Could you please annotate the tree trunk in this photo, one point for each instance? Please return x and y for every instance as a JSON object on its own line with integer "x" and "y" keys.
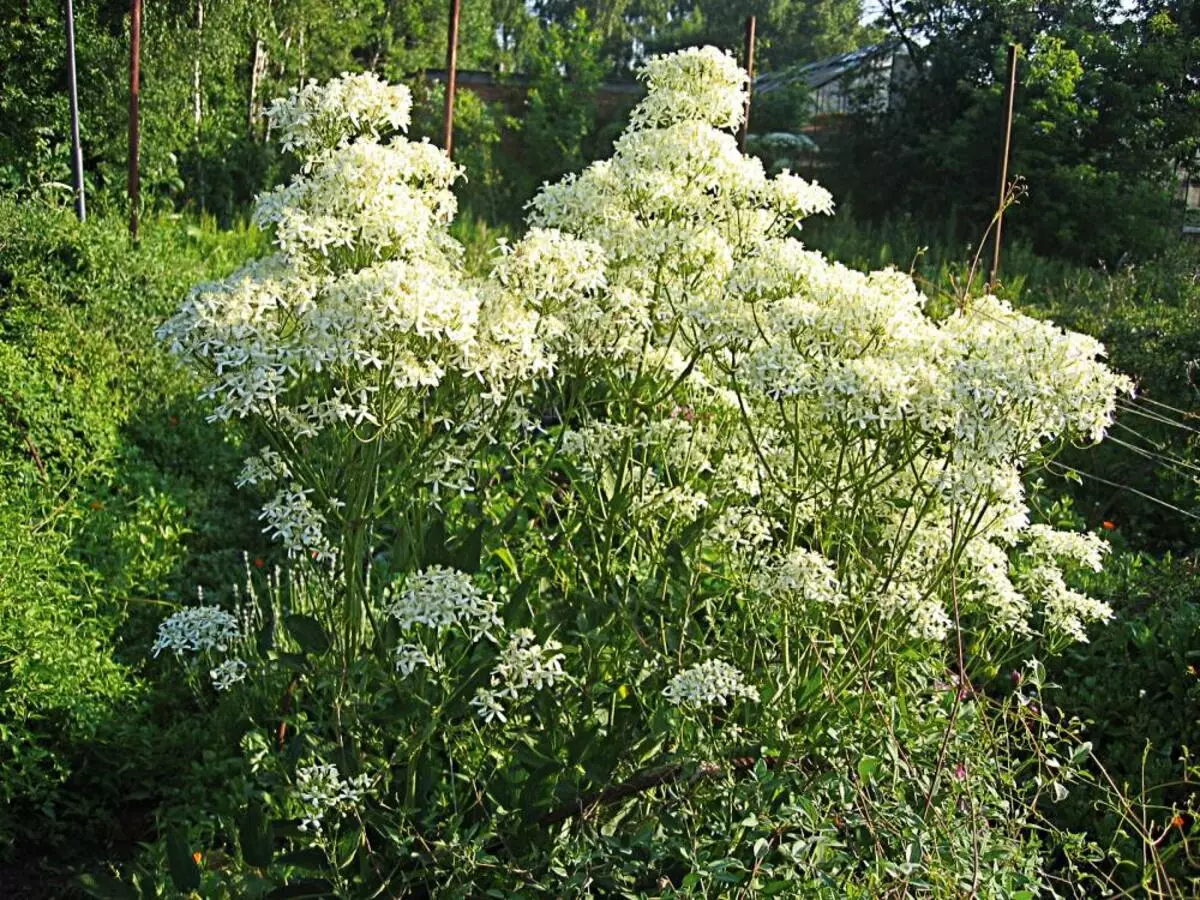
{"x": 135, "y": 135}
{"x": 197, "y": 100}
{"x": 258, "y": 66}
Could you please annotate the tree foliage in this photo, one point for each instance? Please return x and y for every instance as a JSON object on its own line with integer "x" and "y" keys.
{"x": 1107, "y": 106}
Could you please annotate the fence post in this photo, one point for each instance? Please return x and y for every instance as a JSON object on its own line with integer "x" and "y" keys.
{"x": 73, "y": 90}
{"x": 451, "y": 71}
{"x": 748, "y": 59}
{"x": 1008, "y": 119}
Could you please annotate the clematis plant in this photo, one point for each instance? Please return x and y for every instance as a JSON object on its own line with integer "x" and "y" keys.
{"x": 663, "y": 453}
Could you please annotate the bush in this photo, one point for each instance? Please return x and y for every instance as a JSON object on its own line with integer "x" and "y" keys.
{"x": 668, "y": 558}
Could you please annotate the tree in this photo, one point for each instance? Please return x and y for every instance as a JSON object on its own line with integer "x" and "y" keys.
{"x": 1106, "y": 106}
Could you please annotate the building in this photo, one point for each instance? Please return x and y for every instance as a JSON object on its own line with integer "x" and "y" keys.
{"x": 869, "y": 78}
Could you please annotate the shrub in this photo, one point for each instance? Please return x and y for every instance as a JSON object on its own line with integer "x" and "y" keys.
{"x": 669, "y": 558}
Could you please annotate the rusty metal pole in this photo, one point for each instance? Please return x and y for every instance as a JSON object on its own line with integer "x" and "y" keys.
{"x": 73, "y": 90}
{"x": 451, "y": 72}
{"x": 135, "y": 133}
{"x": 748, "y": 59}
{"x": 1003, "y": 192}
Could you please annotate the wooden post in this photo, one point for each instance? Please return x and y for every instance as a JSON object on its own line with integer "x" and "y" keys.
{"x": 451, "y": 72}
{"x": 748, "y": 59}
{"x": 135, "y": 135}
{"x": 73, "y": 90}
{"x": 1008, "y": 119}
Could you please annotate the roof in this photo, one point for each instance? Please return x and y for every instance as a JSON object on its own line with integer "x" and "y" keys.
{"x": 825, "y": 71}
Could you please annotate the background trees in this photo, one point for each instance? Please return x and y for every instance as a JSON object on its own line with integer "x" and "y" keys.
{"x": 1108, "y": 105}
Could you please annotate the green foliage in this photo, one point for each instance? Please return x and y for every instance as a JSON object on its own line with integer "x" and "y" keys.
{"x": 1103, "y": 113}
{"x": 1137, "y": 684}
{"x": 566, "y": 65}
{"x": 106, "y": 501}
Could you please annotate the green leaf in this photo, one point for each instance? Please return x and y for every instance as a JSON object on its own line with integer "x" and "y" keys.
{"x": 265, "y": 639}
{"x": 435, "y": 552}
{"x": 867, "y": 767}
{"x": 309, "y": 633}
{"x": 510, "y": 563}
{"x": 185, "y": 874}
{"x": 257, "y": 836}
{"x": 295, "y": 662}
{"x": 105, "y": 887}
{"x": 147, "y": 885}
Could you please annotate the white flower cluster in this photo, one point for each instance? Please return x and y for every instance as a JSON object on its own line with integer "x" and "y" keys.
{"x": 225, "y": 675}
{"x": 802, "y": 575}
{"x": 524, "y": 665}
{"x": 696, "y": 84}
{"x": 363, "y": 309}
{"x": 441, "y": 598}
{"x": 197, "y": 629}
{"x": 710, "y": 683}
{"x": 321, "y": 116}
{"x": 264, "y": 467}
{"x": 292, "y": 519}
{"x": 409, "y": 657}
{"x": 869, "y": 417}
{"x": 1048, "y": 544}
{"x": 322, "y": 790}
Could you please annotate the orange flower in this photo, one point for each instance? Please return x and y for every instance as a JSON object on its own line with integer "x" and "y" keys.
{"x": 1109, "y": 526}
{"x": 1178, "y": 822}
{"x": 259, "y": 562}
{"x": 197, "y": 856}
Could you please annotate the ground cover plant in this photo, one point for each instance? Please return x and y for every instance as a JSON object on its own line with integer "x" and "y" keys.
{"x": 666, "y": 559}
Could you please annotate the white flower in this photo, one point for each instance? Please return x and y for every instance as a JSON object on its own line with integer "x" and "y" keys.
{"x": 321, "y": 790}
{"x": 320, "y": 116}
{"x": 228, "y": 673}
{"x": 1046, "y": 543}
{"x": 487, "y": 704}
{"x": 264, "y": 467}
{"x": 710, "y": 683}
{"x": 701, "y": 84}
{"x": 197, "y": 629}
{"x": 524, "y": 666}
{"x": 293, "y": 520}
{"x": 1067, "y": 611}
{"x": 442, "y": 598}
{"x": 802, "y": 574}
{"x": 408, "y": 657}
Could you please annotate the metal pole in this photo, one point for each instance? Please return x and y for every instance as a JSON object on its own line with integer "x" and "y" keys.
{"x": 451, "y": 72}
{"x": 1008, "y": 119}
{"x": 135, "y": 59}
{"x": 76, "y": 146}
{"x": 748, "y": 58}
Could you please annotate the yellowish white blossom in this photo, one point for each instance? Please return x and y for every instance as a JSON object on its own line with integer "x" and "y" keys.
{"x": 710, "y": 683}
